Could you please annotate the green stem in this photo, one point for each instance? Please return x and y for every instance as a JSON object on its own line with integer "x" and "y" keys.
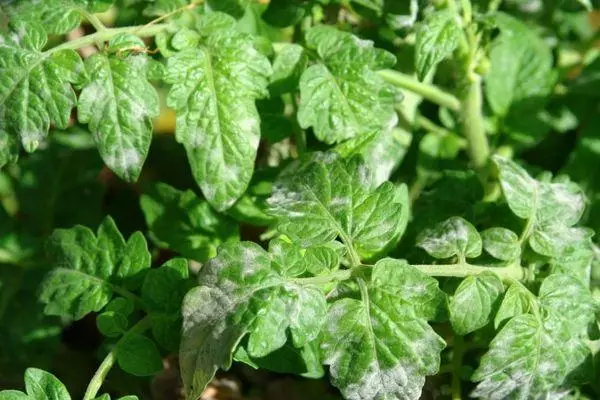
{"x": 429, "y": 92}
{"x": 472, "y": 124}
{"x": 108, "y": 362}
{"x": 107, "y": 34}
{"x": 457, "y": 359}
{"x": 93, "y": 20}
{"x": 463, "y": 270}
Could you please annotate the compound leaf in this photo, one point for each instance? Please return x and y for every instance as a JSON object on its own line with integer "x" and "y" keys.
{"x": 380, "y": 347}
{"x": 327, "y": 197}
{"x": 89, "y": 269}
{"x": 342, "y": 96}
{"x": 214, "y": 91}
{"x": 245, "y": 292}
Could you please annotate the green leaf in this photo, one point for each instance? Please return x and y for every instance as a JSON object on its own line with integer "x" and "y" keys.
{"x": 453, "y": 237}
{"x": 35, "y": 88}
{"x": 437, "y": 38}
{"x": 474, "y": 302}
{"x": 289, "y": 64}
{"x": 327, "y": 197}
{"x": 39, "y": 385}
{"x": 245, "y": 293}
{"x": 381, "y": 347}
{"x": 550, "y": 208}
{"x": 567, "y": 297}
{"x": 184, "y": 223}
{"x": 282, "y": 13}
{"x": 112, "y": 323}
{"x": 214, "y": 91}
{"x": 59, "y": 16}
{"x": 501, "y": 243}
{"x": 517, "y": 301}
{"x": 342, "y": 95}
{"x": 89, "y": 269}
{"x": 520, "y": 76}
{"x": 159, "y": 8}
{"x": 535, "y": 354}
{"x": 138, "y": 355}
{"x": 118, "y": 103}
{"x": 235, "y": 8}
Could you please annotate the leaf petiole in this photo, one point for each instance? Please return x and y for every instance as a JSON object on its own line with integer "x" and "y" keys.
{"x": 513, "y": 271}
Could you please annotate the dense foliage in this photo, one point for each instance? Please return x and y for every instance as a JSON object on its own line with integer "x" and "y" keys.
{"x": 398, "y": 198}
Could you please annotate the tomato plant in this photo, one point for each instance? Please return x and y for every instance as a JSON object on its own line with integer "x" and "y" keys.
{"x": 381, "y": 199}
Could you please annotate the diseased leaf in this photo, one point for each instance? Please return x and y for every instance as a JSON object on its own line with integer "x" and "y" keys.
{"x": 501, "y": 243}
{"x": 474, "y": 302}
{"x": 380, "y": 347}
{"x": 342, "y": 96}
{"x": 453, "y": 237}
{"x": 214, "y": 91}
{"x": 437, "y": 38}
{"x": 245, "y": 292}
{"x": 326, "y": 197}
{"x": 550, "y": 208}
{"x": 119, "y": 103}
{"x": 184, "y": 223}
{"x": 138, "y": 355}
{"x": 89, "y": 269}
{"x": 35, "y": 88}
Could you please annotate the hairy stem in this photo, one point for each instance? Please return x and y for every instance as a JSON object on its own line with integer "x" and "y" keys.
{"x": 107, "y": 34}
{"x": 472, "y": 124}
{"x": 109, "y": 360}
{"x": 463, "y": 270}
{"x": 93, "y": 20}
{"x": 429, "y": 92}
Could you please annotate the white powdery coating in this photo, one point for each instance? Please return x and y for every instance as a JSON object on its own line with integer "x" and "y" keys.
{"x": 363, "y": 44}
{"x": 126, "y": 160}
{"x": 401, "y": 381}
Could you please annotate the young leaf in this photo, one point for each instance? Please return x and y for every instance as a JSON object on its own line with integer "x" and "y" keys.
{"x": 138, "y": 355}
{"x": 381, "y": 346}
{"x": 214, "y": 91}
{"x": 342, "y": 96}
{"x": 39, "y": 385}
{"x": 184, "y": 223}
{"x": 520, "y": 77}
{"x": 245, "y": 293}
{"x": 474, "y": 302}
{"x": 89, "y": 269}
{"x": 35, "y": 88}
{"x": 517, "y": 300}
{"x": 119, "y": 103}
{"x": 551, "y": 209}
{"x": 453, "y": 237}
{"x": 327, "y": 197}
{"x": 501, "y": 243}
{"x": 437, "y": 38}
